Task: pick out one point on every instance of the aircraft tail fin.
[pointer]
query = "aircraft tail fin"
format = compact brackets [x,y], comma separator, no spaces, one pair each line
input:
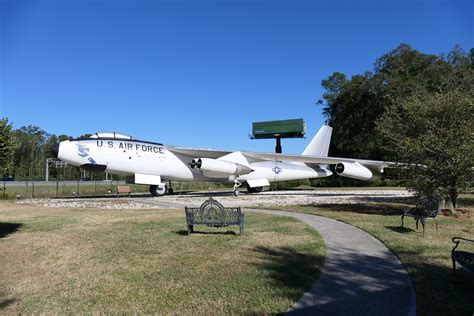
[319,145]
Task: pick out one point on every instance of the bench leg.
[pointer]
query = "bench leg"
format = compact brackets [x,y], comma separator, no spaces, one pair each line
[417,220]
[454,265]
[403,216]
[190,229]
[436,222]
[423,225]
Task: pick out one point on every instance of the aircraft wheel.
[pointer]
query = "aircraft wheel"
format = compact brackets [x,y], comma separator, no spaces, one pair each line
[156,190]
[236,192]
[254,190]
[170,191]
[257,189]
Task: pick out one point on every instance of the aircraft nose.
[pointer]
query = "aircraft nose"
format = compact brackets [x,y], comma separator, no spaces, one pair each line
[55,150]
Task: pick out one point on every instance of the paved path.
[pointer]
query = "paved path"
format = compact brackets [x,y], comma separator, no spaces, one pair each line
[360,275]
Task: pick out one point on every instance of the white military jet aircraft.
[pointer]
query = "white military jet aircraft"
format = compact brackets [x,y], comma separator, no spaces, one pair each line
[155,164]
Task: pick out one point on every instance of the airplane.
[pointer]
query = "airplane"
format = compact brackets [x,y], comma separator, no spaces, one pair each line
[156,165]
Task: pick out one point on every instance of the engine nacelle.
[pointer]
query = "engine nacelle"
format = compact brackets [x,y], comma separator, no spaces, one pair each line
[215,168]
[353,170]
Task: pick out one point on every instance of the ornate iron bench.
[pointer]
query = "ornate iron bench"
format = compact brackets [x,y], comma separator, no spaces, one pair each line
[426,208]
[213,214]
[464,258]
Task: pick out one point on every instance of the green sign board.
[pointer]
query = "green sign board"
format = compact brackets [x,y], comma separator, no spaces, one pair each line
[281,129]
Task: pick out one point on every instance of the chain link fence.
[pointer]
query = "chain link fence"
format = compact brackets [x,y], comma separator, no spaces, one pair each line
[61,189]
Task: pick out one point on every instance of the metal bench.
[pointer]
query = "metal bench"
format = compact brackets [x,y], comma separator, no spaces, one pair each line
[464,258]
[123,189]
[211,213]
[426,208]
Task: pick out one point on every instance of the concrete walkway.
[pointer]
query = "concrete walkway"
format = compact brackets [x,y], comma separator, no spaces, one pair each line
[360,275]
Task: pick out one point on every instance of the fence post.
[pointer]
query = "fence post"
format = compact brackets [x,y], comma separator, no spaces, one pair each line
[77,194]
[33,189]
[57,186]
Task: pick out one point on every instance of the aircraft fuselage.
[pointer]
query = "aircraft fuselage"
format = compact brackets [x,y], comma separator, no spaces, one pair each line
[131,157]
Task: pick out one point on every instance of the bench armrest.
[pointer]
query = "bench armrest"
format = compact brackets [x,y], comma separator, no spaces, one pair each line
[457,240]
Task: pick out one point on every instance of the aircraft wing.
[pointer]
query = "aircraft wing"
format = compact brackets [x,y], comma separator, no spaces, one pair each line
[200,152]
[318,159]
[256,156]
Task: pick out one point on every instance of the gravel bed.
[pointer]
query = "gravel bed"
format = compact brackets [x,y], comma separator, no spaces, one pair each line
[285,198]
[102,203]
[267,198]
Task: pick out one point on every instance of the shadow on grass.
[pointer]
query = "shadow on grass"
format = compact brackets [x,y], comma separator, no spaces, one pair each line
[293,272]
[4,303]
[8,228]
[364,208]
[400,229]
[185,232]
[466,201]
[438,290]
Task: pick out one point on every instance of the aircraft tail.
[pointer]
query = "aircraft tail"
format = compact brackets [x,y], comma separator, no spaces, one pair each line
[319,145]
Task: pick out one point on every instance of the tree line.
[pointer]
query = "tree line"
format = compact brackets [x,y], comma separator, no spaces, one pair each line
[24,152]
[412,107]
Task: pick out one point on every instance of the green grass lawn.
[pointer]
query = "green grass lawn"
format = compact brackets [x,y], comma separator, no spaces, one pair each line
[140,261]
[427,259]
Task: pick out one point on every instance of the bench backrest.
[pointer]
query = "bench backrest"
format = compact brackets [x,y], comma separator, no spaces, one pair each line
[429,206]
[212,212]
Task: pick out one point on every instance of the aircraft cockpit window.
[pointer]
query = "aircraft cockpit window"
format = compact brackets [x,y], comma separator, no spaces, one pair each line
[111,135]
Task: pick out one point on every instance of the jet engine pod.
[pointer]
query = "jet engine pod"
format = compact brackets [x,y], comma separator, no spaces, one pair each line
[353,170]
[216,168]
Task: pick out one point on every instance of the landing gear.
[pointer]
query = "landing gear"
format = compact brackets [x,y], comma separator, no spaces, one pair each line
[157,190]
[237,184]
[254,189]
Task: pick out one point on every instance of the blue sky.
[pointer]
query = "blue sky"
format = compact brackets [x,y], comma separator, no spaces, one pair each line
[198,73]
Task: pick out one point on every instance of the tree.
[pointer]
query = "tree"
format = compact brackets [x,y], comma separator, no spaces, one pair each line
[436,130]
[7,146]
[352,106]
